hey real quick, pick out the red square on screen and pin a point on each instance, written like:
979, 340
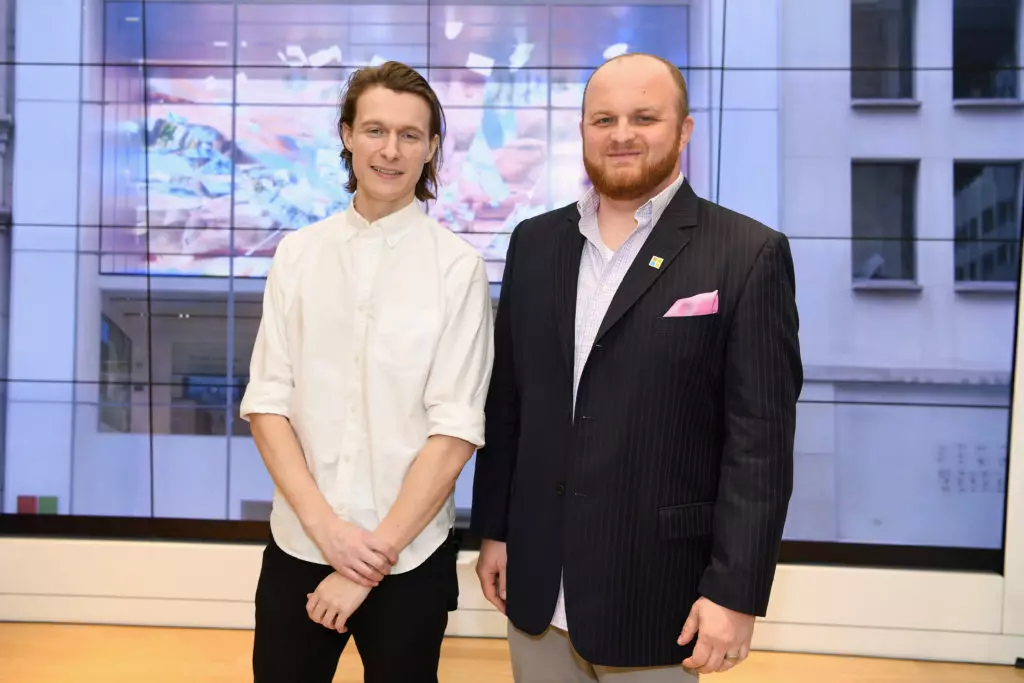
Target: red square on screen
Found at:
28, 505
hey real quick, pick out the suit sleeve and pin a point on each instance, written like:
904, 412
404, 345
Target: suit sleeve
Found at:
495, 463
763, 378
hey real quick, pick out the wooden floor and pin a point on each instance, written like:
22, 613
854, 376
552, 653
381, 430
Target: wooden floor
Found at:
45, 653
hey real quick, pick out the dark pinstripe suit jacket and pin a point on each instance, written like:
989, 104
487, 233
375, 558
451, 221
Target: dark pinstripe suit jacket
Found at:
674, 479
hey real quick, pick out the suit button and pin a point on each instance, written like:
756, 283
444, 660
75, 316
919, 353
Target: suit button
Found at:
560, 489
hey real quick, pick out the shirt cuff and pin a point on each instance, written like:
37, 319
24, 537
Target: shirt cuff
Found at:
458, 421
261, 397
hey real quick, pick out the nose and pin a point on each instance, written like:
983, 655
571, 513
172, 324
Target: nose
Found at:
623, 132
390, 150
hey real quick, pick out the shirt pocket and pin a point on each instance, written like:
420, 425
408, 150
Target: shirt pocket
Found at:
405, 338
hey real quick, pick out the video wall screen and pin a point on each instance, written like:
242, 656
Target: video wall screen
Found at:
219, 125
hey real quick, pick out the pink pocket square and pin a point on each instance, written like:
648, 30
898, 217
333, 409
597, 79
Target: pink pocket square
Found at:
699, 304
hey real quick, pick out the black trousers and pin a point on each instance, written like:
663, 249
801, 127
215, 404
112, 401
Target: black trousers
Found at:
398, 629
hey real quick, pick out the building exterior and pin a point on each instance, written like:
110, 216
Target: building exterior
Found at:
902, 192
135, 276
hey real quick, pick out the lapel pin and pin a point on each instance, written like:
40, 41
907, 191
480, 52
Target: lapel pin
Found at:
656, 262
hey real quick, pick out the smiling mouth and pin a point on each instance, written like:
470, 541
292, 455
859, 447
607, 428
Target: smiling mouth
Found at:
386, 172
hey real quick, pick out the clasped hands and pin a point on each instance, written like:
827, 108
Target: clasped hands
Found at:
360, 559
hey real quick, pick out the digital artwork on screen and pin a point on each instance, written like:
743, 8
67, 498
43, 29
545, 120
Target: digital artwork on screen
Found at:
222, 162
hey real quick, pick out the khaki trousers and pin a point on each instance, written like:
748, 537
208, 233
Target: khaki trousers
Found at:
551, 658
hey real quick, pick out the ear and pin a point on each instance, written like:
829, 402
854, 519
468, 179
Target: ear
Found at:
346, 136
685, 131
434, 141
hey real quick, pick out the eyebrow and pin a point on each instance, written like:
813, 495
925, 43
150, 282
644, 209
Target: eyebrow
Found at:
641, 110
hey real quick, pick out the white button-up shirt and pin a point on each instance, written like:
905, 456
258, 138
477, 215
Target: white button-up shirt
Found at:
374, 337
601, 272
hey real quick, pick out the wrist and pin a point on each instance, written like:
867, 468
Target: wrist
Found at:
389, 533
318, 521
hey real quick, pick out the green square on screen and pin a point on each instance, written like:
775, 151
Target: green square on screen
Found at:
47, 505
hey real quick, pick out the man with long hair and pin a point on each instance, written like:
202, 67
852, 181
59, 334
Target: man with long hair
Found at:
366, 394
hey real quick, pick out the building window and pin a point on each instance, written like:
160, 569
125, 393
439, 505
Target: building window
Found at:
985, 37
882, 49
115, 400
988, 214
884, 217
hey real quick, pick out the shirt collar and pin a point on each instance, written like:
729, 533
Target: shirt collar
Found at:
393, 226
646, 215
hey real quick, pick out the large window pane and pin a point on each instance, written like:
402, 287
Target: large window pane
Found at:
988, 214
986, 58
882, 48
883, 221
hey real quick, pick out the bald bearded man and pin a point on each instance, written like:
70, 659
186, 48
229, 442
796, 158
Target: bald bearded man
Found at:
641, 413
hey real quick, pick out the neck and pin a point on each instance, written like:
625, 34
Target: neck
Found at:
616, 218
372, 209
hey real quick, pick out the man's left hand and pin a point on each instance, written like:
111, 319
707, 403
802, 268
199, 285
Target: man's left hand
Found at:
334, 601
723, 637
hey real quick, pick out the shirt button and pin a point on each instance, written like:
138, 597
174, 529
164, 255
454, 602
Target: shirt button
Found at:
560, 490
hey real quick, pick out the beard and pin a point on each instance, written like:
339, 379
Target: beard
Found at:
623, 184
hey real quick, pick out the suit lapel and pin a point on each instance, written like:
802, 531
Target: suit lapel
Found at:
569, 251
669, 236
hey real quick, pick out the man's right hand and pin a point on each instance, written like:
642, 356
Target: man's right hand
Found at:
490, 568
356, 554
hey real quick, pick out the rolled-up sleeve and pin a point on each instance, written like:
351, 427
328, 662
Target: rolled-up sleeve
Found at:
270, 371
461, 370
